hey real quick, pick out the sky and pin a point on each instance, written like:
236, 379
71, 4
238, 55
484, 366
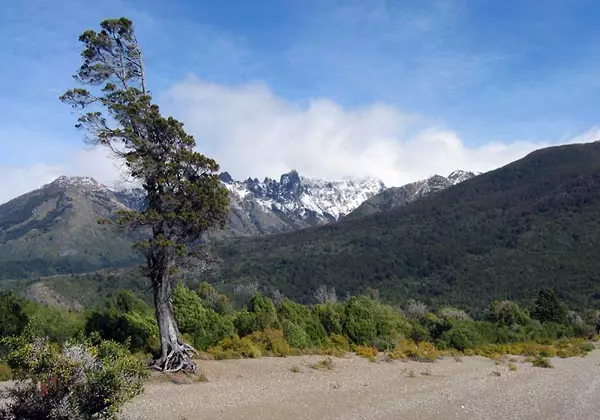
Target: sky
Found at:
398, 90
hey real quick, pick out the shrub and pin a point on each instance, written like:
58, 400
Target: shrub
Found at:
295, 335
339, 341
462, 336
367, 352
211, 299
508, 313
548, 308
419, 333
80, 380
235, 348
204, 326
271, 343
422, 352
331, 317
303, 319
325, 364
139, 330
542, 362
453, 314
261, 315
13, 319
370, 323
5, 373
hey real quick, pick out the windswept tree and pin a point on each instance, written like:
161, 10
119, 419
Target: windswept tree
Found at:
184, 196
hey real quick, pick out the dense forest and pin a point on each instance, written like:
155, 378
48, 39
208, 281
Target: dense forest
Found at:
505, 234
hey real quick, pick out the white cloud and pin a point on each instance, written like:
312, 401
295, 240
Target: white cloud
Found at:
253, 132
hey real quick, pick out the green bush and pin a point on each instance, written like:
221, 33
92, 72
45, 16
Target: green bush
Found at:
548, 308
463, 335
261, 315
368, 322
58, 325
271, 343
235, 348
295, 335
13, 318
138, 330
211, 299
204, 326
81, 380
304, 319
508, 313
331, 316
340, 342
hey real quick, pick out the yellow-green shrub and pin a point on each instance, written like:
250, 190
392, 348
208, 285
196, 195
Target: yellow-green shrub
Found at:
422, 352
339, 341
368, 352
235, 348
270, 342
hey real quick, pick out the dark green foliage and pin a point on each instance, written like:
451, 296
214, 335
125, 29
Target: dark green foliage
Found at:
214, 300
371, 323
184, 196
548, 308
13, 319
301, 325
125, 318
508, 313
501, 235
332, 316
203, 325
261, 315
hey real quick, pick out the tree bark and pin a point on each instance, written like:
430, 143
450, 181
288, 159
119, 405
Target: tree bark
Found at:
175, 354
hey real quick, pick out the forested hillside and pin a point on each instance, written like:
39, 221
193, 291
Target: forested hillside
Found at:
505, 234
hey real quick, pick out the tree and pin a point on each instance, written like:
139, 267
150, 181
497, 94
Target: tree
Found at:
12, 318
548, 308
184, 196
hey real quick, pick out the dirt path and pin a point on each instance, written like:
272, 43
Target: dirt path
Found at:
357, 389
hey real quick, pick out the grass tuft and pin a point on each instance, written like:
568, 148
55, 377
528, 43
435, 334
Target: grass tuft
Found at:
325, 364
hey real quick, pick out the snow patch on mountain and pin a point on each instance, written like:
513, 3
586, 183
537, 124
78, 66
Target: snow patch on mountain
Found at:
305, 197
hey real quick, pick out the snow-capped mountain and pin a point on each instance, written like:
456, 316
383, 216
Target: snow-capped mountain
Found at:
400, 196
293, 202
271, 206
274, 206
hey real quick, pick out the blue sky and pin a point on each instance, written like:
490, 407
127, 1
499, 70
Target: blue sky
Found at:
337, 87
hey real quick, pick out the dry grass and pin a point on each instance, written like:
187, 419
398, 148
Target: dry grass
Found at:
325, 364
542, 362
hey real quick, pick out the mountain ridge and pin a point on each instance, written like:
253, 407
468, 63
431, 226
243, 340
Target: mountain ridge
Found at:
505, 234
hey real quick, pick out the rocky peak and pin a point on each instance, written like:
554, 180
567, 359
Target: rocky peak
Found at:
459, 176
225, 177
83, 182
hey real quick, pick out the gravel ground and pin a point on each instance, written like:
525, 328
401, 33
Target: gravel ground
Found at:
357, 389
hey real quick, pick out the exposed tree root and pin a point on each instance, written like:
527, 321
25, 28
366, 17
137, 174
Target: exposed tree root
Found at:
178, 359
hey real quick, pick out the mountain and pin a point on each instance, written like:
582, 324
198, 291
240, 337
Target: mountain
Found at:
294, 202
399, 196
54, 229
504, 234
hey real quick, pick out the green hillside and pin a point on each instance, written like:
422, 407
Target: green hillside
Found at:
504, 234
54, 230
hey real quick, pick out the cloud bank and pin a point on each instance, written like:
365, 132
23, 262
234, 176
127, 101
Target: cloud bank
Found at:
252, 132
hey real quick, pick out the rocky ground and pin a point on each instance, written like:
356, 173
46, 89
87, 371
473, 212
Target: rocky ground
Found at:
290, 389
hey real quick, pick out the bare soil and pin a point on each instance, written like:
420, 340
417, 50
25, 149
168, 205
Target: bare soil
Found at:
290, 389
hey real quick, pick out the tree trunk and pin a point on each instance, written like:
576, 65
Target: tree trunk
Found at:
175, 354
